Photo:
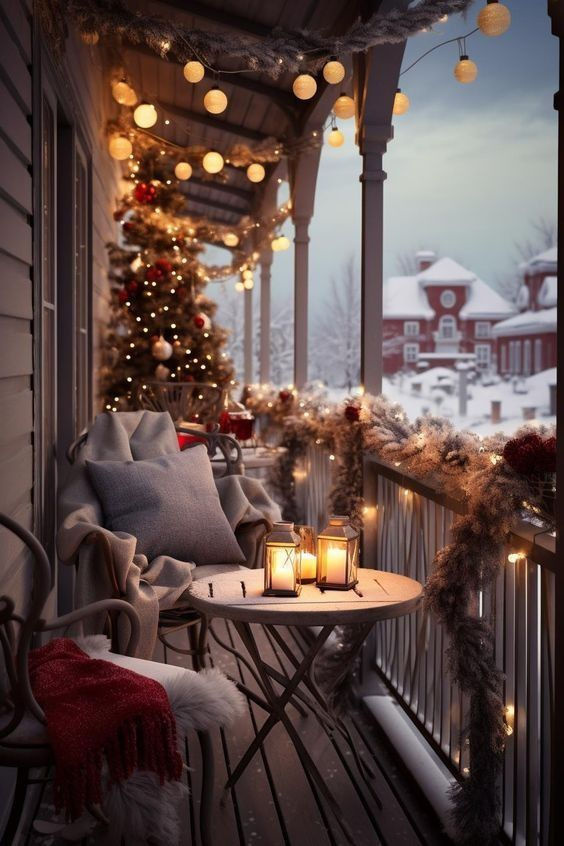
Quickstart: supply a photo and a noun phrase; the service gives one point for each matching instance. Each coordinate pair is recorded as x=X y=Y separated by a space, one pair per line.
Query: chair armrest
x=103 y=605
x=217 y=442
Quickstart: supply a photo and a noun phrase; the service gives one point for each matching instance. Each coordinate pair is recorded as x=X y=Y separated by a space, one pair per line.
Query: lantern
x=282 y=557
x=183 y=170
x=119 y=147
x=333 y=72
x=255 y=172
x=230 y=239
x=465 y=70
x=337 y=555
x=145 y=115
x=123 y=93
x=343 y=107
x=212 y=162
x=308 y=547
x=494 y=19
x=336 y=138
x=194 y=71
x=304 y=86
x=215 y=101
x=401 y=103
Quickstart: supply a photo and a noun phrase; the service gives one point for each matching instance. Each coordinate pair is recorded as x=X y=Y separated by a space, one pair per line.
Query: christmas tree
x=161 y=325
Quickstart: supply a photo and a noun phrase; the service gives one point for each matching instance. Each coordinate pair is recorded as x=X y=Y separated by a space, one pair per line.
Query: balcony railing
x=406 y=522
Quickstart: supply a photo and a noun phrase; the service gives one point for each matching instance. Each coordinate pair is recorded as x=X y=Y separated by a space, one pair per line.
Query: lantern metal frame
x=282 y=537
x=341 y=535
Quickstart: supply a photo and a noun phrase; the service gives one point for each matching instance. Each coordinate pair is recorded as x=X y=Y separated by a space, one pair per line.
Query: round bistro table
x=237 y=596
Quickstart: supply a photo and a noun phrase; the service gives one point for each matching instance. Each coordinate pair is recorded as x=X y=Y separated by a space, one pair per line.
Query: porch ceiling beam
x=217 y=15
x=213 y=122
x=224 y=187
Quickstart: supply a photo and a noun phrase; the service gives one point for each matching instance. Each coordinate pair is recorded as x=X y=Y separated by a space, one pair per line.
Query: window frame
x=411 y=323
x=413 y=345
x=447 y=293
x=450 y=320
x=486 y=333
x=487 y=362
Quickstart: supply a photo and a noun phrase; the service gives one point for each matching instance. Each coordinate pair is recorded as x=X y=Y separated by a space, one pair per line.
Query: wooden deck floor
x=273 y=804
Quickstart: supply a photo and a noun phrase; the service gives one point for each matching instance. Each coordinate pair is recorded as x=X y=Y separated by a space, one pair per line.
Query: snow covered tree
x=543 y=236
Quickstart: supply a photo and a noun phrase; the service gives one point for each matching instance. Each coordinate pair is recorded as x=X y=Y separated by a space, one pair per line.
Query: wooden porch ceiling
x=258 y=106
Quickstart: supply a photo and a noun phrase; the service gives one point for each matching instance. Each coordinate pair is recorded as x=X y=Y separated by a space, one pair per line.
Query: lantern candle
x=337 y=566
x=308 y=548
x=282 y=572
x=337 y=555
x=309 y=567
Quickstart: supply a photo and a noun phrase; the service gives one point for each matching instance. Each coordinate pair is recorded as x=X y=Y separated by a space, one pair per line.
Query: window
x=448 y=299
x=538 y=355
x=515 y=356
x=482 y=329
x=411 y=327
x=447 y=326
x=410 y=353
x=483 y=356
x=527 y=363
x=503 y=362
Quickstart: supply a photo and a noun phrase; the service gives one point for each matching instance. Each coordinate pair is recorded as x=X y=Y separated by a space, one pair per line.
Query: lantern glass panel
x=308 y=547
x=282 y=561
x=337 y=555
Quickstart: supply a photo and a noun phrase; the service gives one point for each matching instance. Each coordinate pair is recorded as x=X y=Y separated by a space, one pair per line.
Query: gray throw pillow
x=170 y=504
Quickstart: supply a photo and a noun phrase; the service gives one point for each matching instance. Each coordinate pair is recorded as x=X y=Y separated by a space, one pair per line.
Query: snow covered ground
x=438 y=395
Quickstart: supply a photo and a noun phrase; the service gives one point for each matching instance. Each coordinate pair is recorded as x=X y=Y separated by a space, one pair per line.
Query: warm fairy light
x=343 y=107
x=194 y=71
x=304 y=86
x=215 y=101
x=331 y=457
x=183 y=170
x=494 y=18
x=255 y=172
x=123 y=93
x=280 y=243
x=336 y=138
x=401 y=103
x=495 y=459
x=465 y=70
x=239 y=286
x=515 y=557
x=212 y=162
x=333 y=72
x=230 y=239
x=119 y=147
x=145 y=115
x=90 y=38
x=248 y=284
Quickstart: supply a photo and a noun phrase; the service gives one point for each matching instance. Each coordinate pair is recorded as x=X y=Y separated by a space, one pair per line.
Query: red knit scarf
x=96 y=710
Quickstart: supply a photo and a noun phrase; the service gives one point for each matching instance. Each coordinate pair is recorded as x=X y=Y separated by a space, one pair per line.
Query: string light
x=123 y=93
x=401 y=102
x=212 y=162
x=194 y=71
x=119 y=147
x=515 y=557
x=145 y=115
x=230 y=239
x=304 y=86
x=215 y=101
x=333 y=72
x=336 y=137
x=183 y=170
x=239 y=286
x=255 y=172
x=249 y=284
x=343 y=107
x=465 y=70
x=494 y=19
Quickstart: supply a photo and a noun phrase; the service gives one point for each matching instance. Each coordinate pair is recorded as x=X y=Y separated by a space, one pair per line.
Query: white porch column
x=248 y=338
x=265 y=276
x=301 y=293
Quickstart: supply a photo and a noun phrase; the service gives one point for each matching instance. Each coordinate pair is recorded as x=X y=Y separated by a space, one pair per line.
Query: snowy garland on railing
x=495 y=479
x=282 y=51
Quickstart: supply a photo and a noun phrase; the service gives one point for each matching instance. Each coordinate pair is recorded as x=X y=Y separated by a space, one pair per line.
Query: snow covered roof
x=527 y=323
x=545 y=261
x=548 y=294
x=446 y=271
x=404 y=298
x=483 y=301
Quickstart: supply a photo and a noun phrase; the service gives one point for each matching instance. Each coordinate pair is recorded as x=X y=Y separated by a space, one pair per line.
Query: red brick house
x=440 y=316
x=526 y=342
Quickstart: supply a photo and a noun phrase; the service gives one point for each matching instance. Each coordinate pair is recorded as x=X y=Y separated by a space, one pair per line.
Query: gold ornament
x=120 y=147
x=494 y=19
x=194 y=71
x=183 y=170
x=401 y=103
x=336 y=138
x=215 y=101
x=465 y=70
x=230 y=239
x=145 y=115
x=343 y=107
x=255 y=172
x=212 y=162
x=333 y=72
x=304 y=86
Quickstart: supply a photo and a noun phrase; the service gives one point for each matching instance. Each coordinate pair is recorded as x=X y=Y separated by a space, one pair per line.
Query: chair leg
x=206 y=803
x=20 y=791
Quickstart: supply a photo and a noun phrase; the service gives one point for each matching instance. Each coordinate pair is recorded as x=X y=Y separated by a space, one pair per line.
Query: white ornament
x=161 y=349
x=162 y=373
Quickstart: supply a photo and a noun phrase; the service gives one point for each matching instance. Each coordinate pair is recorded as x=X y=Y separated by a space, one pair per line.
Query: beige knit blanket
x=150 y=586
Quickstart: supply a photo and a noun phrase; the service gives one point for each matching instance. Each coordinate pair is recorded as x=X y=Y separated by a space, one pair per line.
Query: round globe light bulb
x=401 y=103
x=215 y=101
x=304 y=86
x=212 y=162
x=343 y=107
x=239 y=286
x=465 y=70
x=247 y=274
x=123 y=93
x=145 y=115
x=333 y=72
x=283 y=242
x=494 y=18
x=230 y=239
x=183 y=170
x=336 y=138
x=120 y=147
x=275 y=245
x=255 y=172
x=194 y=71
x=248 y=284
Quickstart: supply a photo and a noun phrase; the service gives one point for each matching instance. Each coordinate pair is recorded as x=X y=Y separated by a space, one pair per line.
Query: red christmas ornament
x=284 y=395
x=132 y=286
x=154 y=274
x=164 y=265
x=145 y=193
x=202 y=321
x=123 y=296
x=352 y=413
x=224 y=422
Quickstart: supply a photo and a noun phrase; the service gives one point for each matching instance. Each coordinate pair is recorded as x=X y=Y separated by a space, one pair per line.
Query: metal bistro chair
x=24 y=743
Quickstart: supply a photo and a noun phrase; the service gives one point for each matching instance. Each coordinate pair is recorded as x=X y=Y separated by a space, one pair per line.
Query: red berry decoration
x=531 y=454
x=202 y=321
x=352 y=413
x=145 y=193
x=284 y=395
x=154 y=274
x=123 y=296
